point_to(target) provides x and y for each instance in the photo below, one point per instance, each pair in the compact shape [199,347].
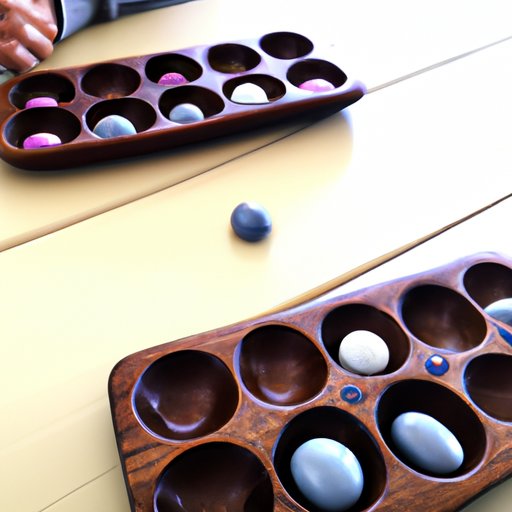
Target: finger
[14,26]
[34,41]
[39,16]
[16,57]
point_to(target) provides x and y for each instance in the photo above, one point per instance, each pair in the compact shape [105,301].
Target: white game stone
[249,93]
[363,352]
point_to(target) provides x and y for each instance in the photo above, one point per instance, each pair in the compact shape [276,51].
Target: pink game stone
[41,140]
[172,79]
[41,101]
[317,85]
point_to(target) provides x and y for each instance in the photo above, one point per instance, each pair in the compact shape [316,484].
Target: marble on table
[378,42]
[408,160]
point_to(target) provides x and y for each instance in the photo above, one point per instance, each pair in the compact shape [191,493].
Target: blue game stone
[251,222]
[185,113]
[328,474]
[427,443]
[501,310]
[114,126]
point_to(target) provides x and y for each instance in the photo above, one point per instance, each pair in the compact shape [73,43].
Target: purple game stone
[316,85]
[41,101]
[172,79]
[41,140]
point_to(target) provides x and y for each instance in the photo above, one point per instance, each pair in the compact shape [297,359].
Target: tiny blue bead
[437,365]
[351,394]
[251,222]
[114,126]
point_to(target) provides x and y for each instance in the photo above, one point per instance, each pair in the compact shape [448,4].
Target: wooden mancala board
[280,64]
[210,422]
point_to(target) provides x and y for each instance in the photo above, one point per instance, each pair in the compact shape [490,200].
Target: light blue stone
[501,310]
[427,443]
[186,113]
[328,474]
[114,126]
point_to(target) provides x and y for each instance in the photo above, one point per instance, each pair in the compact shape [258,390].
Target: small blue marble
[251,222]
[351,394]
[114,126]
[501,310]
[436,365]
[186,113]
[427,443]
[328,474]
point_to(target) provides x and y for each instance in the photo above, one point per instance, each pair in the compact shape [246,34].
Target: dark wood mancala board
[210,422]
[278,63]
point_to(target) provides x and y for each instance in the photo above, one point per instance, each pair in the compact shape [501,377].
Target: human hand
[27,31]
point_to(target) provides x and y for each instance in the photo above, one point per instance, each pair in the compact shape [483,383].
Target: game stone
[249,93]
[114,126]
[328,474]
[186,113]
[172,79]
[427,443]
[41,101]
[501,310]
[41,140]
[316,85]
[363,352]
[251,222]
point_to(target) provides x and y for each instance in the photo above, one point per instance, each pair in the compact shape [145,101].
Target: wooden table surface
[99,262]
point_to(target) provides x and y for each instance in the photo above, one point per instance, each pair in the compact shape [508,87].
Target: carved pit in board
[233,58]
[311,69]
[440,403]
[47,84]
[286,45]
[140,113]
[269,353]
[54,120]
[185,395]
[159,65]
[208,101]
[352,317]
[215,476]
[111,80]
[489,384]
[488,282]
[274,88]
[341,426]
[443,318]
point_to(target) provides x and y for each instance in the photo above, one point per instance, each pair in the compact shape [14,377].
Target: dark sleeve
[73,15]
[111,9]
